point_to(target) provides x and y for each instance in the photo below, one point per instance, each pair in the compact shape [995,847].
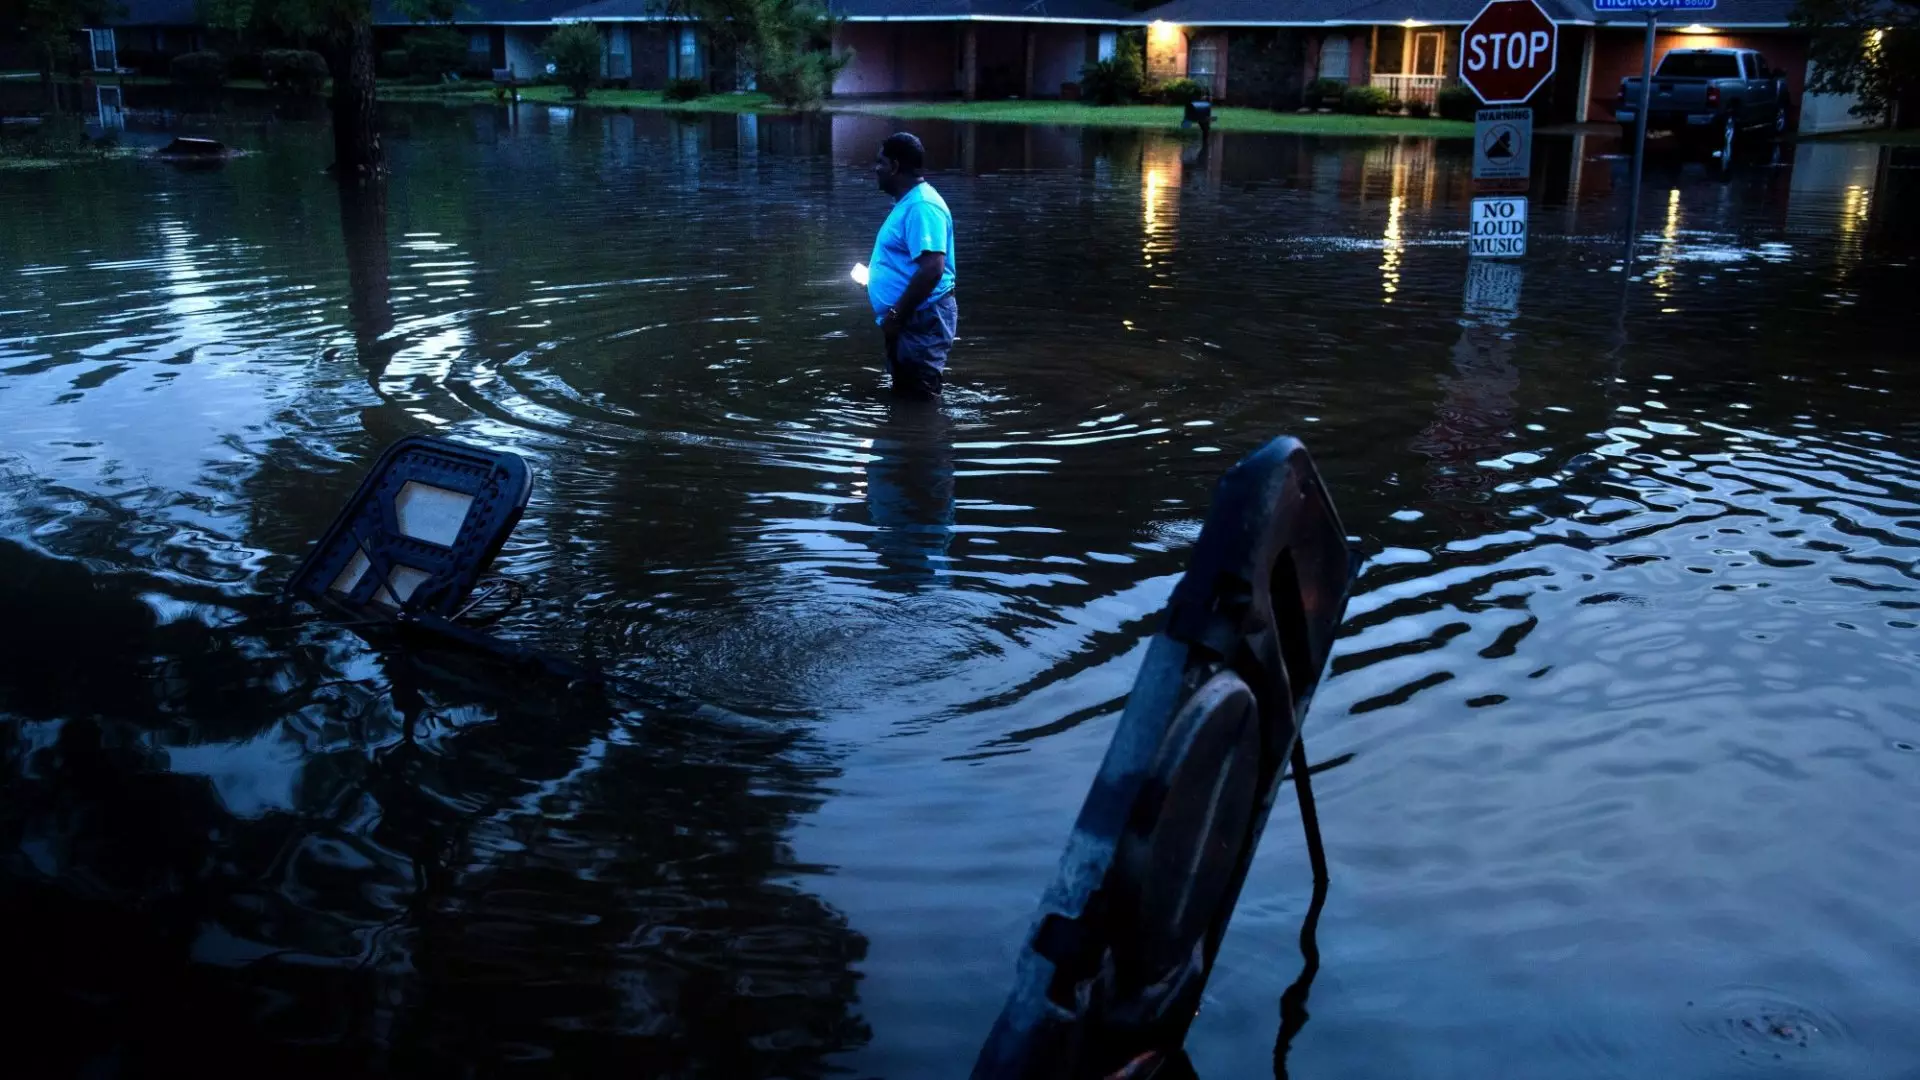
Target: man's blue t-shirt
[919,222]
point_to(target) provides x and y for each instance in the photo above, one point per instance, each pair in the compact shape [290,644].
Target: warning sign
[1498,228]
[1502,146]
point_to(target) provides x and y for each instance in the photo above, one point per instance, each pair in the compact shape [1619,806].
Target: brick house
[1268,52]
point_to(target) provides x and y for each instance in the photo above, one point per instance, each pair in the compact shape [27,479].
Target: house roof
[487,12]
[1338,12]
[155,13]
[509,12]
[1083,11]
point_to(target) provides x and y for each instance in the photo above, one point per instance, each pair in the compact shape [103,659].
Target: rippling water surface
[1628,686]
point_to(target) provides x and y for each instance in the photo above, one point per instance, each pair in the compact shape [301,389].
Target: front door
[1427,47]
[105,56]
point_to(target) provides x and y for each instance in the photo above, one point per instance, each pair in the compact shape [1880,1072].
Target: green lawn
[1069,113]
[559,95]
[1081,114]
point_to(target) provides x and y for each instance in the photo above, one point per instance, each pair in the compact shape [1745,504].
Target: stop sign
[1506,52]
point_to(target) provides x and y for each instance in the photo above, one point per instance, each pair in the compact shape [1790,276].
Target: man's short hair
[904,150]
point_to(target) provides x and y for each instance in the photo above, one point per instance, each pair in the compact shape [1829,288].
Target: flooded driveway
[1629,694]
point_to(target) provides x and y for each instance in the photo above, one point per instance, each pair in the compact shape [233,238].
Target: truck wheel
[1729,134]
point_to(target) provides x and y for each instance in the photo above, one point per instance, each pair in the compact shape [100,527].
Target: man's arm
[928,269]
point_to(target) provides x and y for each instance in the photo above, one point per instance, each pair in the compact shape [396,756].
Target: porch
[1414,62]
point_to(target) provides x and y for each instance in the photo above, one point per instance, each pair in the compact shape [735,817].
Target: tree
[1868,48]
[344,31]
[787,45]
[1118,79]
[575,52]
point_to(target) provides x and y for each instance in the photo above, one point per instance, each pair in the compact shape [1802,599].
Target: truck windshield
[1700,65]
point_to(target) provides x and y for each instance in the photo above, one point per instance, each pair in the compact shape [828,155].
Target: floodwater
[1628,699]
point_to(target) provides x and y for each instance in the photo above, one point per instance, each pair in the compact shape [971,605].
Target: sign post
[1652,10]
[1507,53]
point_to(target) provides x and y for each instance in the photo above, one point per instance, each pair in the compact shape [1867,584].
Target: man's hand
[927,270]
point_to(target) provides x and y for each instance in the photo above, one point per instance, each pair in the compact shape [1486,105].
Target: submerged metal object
[1113,969]
[418,533]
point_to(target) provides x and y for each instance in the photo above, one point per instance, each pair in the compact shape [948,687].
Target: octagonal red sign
[1506,52]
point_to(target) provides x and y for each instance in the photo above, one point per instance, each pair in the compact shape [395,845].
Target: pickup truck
[1714,94]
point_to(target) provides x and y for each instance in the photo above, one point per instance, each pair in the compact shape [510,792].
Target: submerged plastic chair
[1112,972]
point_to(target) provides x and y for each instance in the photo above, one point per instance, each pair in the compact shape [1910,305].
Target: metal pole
[1303,787]
[1646,98]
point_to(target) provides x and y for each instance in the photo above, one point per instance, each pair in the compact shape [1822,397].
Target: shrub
[440,50]
[1364,100]
[294,71]
[203,69]
[575,52]
[1456,103]
[1263,69]
[1420,110]
[1184,92]
[1325,93]
[1117,79]
[684,89]
[787,45]
[144,61]
[1395,106]
[394,63]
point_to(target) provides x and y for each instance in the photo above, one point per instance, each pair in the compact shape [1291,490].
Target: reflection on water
[1626,683]
[909,491]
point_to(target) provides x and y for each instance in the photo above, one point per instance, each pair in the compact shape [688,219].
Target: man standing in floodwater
[910,274]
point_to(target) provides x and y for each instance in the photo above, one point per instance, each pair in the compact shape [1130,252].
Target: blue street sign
[1653,5]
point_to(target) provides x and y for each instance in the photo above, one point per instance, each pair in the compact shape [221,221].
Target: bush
[1184,92]
[441,50]
[1420,110]
[1263,69]
[206,69]
[394,64]
[1325,93]
[144,61]
[575,52]
[294,71]
[1116,80]
[1364,100]
[1456,103]
[1395,106]
[685,89]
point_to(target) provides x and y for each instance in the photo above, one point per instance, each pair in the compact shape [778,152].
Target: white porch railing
[1412,87]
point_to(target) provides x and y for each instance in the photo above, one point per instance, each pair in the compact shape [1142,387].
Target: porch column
[1586,76]
[1028,92]
[971,60]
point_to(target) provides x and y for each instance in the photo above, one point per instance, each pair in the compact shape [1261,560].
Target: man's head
[899,163]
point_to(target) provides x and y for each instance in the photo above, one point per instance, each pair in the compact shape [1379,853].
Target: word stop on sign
[1517,51]
[1498,228]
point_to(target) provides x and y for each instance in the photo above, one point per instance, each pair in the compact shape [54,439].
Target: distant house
[1269,52]
[974,48]
[143,36]
[901,48]
[501,34]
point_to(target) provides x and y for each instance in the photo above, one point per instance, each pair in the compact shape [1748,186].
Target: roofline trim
[1330,23]
[562,20]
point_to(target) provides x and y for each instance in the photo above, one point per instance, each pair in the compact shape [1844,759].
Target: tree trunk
[363,228]
[356,140]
